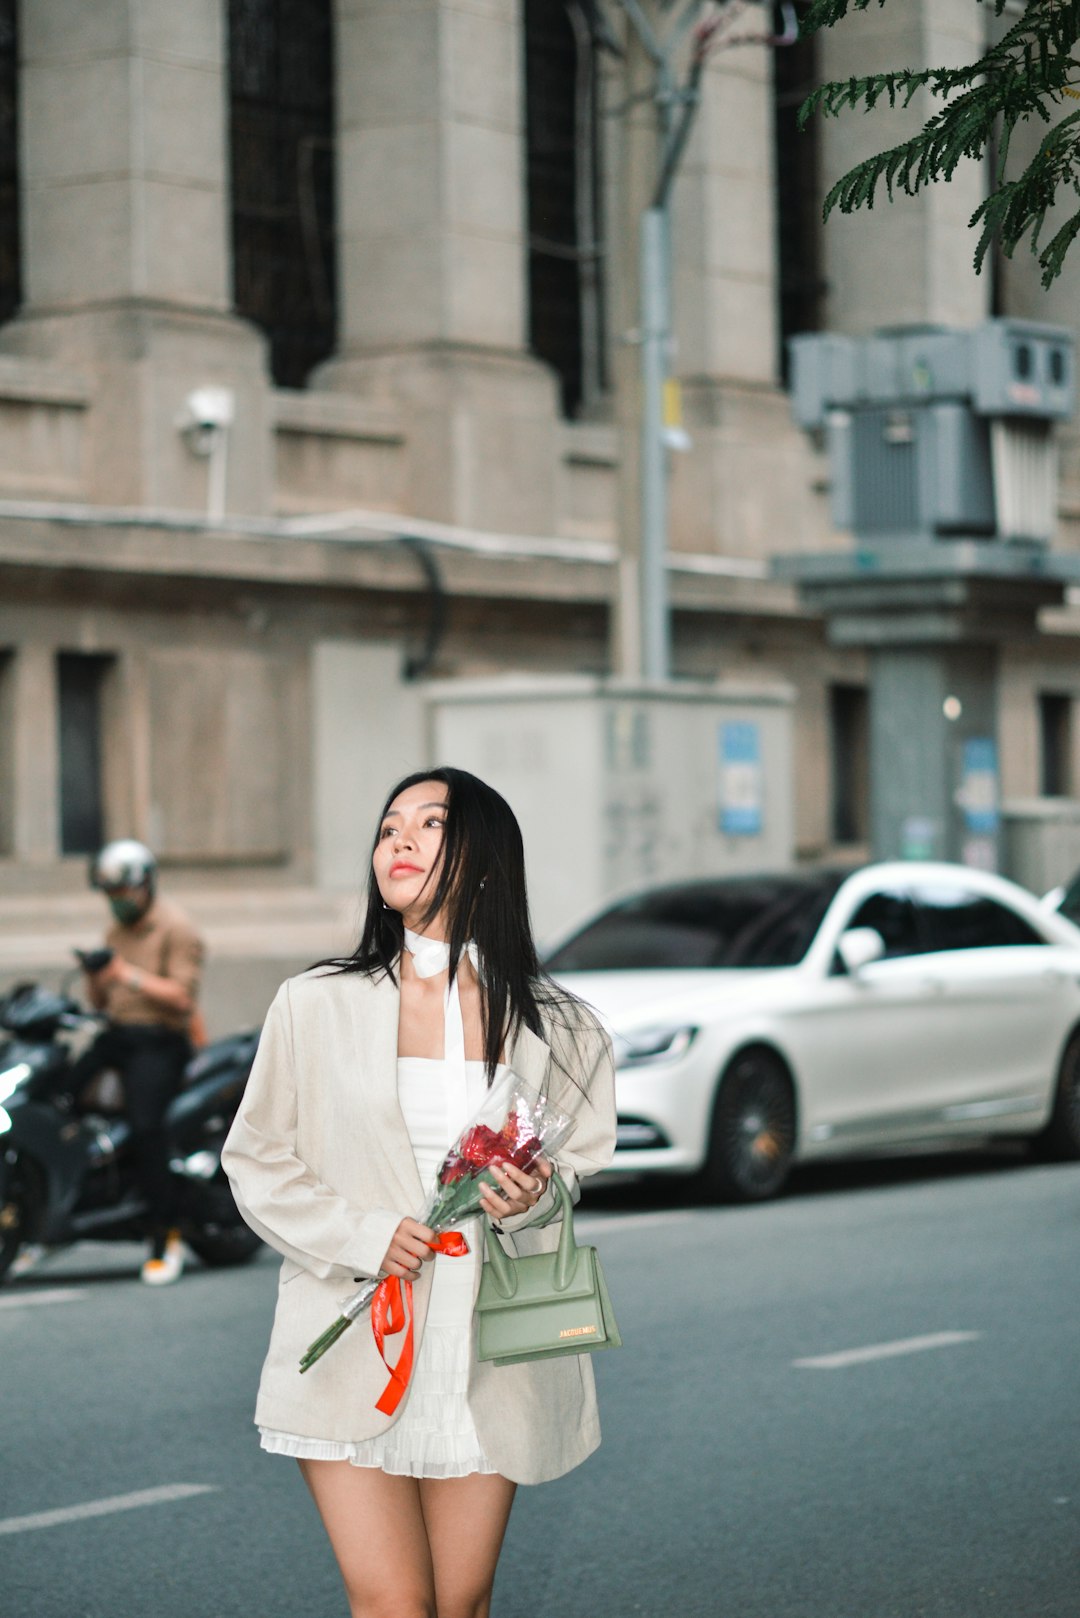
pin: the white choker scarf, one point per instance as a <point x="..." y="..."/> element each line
<point x="430" y="956"/>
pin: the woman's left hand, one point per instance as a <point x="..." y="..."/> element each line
<point x="518" y="1191"/>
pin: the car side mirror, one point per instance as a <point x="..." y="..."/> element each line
<point x="859" y="947"/>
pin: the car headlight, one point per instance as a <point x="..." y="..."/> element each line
<point x="646" y="1046"/>
<point x="12" y="1077"/>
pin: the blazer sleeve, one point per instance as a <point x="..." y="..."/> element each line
<point x="590" y="1095"/>
<point x="277" y="1194"/>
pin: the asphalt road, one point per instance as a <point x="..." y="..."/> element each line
<point x="937" y="1478"/>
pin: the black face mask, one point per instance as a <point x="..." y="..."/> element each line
<point x="127" y="911"/>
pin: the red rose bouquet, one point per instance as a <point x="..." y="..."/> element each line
<point x="514" y="1125"/>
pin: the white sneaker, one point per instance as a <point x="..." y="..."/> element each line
<point x="26" y="1259"/>
<point x="160" y="1272"/>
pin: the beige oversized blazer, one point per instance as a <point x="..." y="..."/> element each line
<point x="322" y="1168"/>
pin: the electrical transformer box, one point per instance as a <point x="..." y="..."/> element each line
<point x="937" y="434"/>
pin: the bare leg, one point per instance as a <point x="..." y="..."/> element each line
<point x="379" y="1537"/>
<point x="466" y="1519"/>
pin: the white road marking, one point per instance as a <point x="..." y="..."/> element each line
<point x="105" y="1508"/>
<point x="25" y="1300"/>
<point x="886" y="1351"/>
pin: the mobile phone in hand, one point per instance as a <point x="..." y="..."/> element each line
<point x="93" y="960"/>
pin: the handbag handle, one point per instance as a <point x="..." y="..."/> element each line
<point x="503" y="1274"/>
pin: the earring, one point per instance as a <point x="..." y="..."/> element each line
<point x="483" y="879"/>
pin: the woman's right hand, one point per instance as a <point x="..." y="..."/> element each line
<point x="409" y="1248"/>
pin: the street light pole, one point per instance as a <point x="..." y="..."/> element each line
<point x="655" y="340"/>
<point x="676" y="106"/>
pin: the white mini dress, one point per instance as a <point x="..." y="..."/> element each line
<point x="434" y="1437"/>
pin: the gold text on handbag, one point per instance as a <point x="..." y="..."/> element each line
<point x="577" y="1331"/>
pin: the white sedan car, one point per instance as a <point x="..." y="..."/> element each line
<point x="765" y="1021"/>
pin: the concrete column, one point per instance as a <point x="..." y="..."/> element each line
<point x="124" y="161"/>
<point x="723" y="226"/>
<point x="1021" y="294"/>
<point x="127" y="738"/>
<point x="430" y="199"/>
<point x="748" y="473"/>
<point x="431" y="209"/>
<point x="926" y="703"/>
<point x="1024" y="296"/>
<point x="35" y="756"/>
<point x="124" y="168"/>
<point x="909" y="260"/>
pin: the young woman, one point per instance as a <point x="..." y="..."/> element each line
<point x="367" y="1071"/>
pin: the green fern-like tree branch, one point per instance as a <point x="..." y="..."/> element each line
<point x="1031" y="74"/>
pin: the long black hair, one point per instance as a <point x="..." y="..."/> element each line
<point x="480" y="886"/>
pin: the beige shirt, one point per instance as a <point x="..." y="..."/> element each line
<point x="164" y="943"/>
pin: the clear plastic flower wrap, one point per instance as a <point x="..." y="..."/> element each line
<point x="515" y="1125"/>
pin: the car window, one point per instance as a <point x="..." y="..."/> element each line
<point x="893" y="916"/>
<point x="739" y="922"/>
<point x="781" y="933"/>
<point x="959" y="918"/>
<point x="621" y="943"/>
<point x="1070" y="902"/>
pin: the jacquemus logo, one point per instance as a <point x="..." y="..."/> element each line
<point x="577" y="1331"/>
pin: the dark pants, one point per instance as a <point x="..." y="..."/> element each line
<point x="150" y="1061"/>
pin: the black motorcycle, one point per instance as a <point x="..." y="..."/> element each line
<point x="66" y="1161"/>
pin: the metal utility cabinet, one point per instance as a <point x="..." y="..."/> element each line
<point x="617" y="786"/>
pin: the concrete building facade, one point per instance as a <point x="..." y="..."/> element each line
<point x="239" y="495"/>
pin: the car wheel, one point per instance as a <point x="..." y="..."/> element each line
<point x="1061" y="1137"/>
<point x="753" y="1130"/>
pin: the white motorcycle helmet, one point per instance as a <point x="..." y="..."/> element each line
<point x="124" y="864"/>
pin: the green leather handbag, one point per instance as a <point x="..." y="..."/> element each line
<point x="544" y="1304"/>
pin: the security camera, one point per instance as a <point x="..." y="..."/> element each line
<point x="207" y="413"/>
<point x="205" y="422"/>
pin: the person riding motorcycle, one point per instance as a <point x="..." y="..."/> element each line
<point x="148" y="991"/>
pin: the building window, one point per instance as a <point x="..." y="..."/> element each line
<point x="10" y="269"/>
<point x="562" y="137"/>
<point x="849" y="732"/>
<point x="281" y="129"/>
<point x="798" y="193"/>
<point x="80" y="693"/>
<point x="1055" y="736"/>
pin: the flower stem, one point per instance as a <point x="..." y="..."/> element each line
<point x="329" y="1337"/>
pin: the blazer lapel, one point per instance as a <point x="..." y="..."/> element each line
<point x="374" y="1009"/>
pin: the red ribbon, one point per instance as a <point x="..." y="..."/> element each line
<point x="392" y="1311"/>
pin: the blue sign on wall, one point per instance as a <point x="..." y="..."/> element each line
<point x="978" y="795"/>
<point x="741" y="806"/>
